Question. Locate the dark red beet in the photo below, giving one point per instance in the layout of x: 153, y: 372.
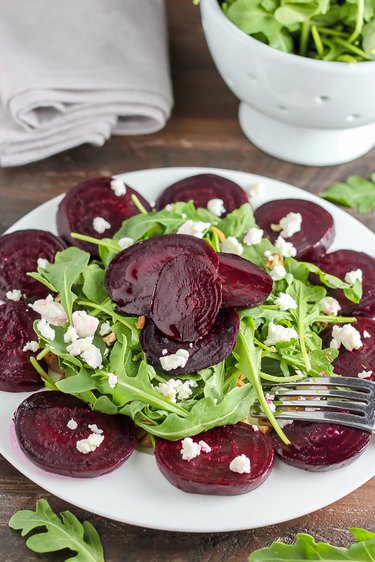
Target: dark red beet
x: 320, y: 447
x: 187, y: 298
x: 88, y: 200
x: 213, y: 348
x: 339, y: 263
x: 16, y: 328
x: 317, y: 228
x: 201, y: 188
x: 42, y: 432
x: 19, y: 253
x: 244, y: 284
x: 209, y: 473
x: 131, y: 276
x: 350, y: 363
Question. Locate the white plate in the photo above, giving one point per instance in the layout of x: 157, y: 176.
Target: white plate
x: 137, y: 493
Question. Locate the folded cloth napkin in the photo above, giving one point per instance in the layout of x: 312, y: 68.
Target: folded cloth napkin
x: 78, y: 71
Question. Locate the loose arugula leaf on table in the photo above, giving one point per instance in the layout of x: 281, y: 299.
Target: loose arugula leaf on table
x: 356, y: 193
x: 59, y: 533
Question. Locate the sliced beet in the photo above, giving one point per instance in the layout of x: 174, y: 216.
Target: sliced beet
x: 317, y: 228
x: 339, y: 263
x: 350, y: 363
x: 201, y: 188
x: 209, y: 473
x: 16, y: 328
x: 213, y: 348
x: 187, y: 298
x: 244, y: 284
x: 131, y: 276
x: 320, y: 447
x: 45, y: 438
x: 19, y: 253
x: 88, y: 200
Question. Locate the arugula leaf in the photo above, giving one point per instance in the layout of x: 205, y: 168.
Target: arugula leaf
x: 238, y: 222
x: 357, y: 193
x: 66, y: 532
x: 305, y: 548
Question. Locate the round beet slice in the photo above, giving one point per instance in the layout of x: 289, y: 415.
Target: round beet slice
x: 187, y: 298
x: 201, y: 188
x: 19, y: 253
x: 209, y: 350
x: 319, y: 447
x: 339, y: 263
x: 131, y: 276
x: 209, y: 473
x: 41, y: 424
x: 88, y: 200
x: 16, y: 328
x: 317, y: 228
x: 244, y: 284
x: 350, y: 363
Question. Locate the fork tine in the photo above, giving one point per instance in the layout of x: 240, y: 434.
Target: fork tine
x: 320, y: 404
x: 350, y: 382
x: 330, y: 392
x: 350, y: 420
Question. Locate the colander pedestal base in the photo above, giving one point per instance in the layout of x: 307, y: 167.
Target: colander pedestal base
x: 300, y: 145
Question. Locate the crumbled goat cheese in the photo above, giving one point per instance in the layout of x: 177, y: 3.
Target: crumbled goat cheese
x: 175, y: 388
x: 125, y: 242
x: 70, y: 335
x: 112, y: 380
x: 269, y: 399
x: 267, y: 253
x: 204, y: 447
x: 286, y: 249
x: 240, y: 464
x: 164, y: 352
x: 168, y: 207
x: 183, y: 215
x: 45, y: 330
x: 95, y: 429
x: 329, y: 305
x: 366, y: 334
x: 72, y: 424
x: 277, y: 272
x: 279, y: 334
x: 1, y: 302
x: 14, y: 295
x: 84, y: 324
x: 352, y: 276
x: 194, y: 228
x: 118, y: 187
x: 253, y: 236
x: 105, y: 329
x: 216, y: 207
x: 79, y: 346
x: 286, y: 302
x: 92, y: 356
x: 256, y: 189
x: 31, y: 346
x: 175, y: 360
x: 347, y: 336
x: 255, y: 427
x: 231, y: 246
x: 364, y: 374
x: 42, y: 263
x: 100, y: 225
x: 51, y: 311
x: 90, y: 444
x: 189, y: 449
x: 284, y: 423
x: 290, y: 224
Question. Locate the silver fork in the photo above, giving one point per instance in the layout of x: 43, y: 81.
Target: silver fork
x: 327, y: 397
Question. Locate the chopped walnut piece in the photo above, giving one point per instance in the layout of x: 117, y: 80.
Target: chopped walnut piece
x: 57, y: 298
x: 218, y: 232
x: 274, y: 259
x: 140, y: 324
x: 110, y: 339
x: 276, y: 227
x: 53, y: 362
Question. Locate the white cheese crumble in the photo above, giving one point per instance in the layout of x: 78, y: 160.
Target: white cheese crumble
x: 255, y: 427
x: 87, y: 350
x: 118, y: 187
x: 216, y: 207
x: 70, y: 335
x: 90, y: 444
x: 95, y: 429
x: 168, y: 207
x: 85, y: 325
x: 79, y: 346
x: 364, y: 374
x: 45, y: 330
x: 112, y: 380
x: 125, y: 242
x: 175, y: 360
x: 205, y: 448
x: 105, y: 328
x: 286, y: 302
x: 267, y: 253
x: 164, y: 352
x: 329, y: 305
x: 253, y: 236
x: 286, y: 249
x: 347, y: 336
x: 240, y: 464
x: 189, y: 449
x: 14, y: 295
x: 100, y: 225
x: 194, y: 228
x: 290, y: 224
x: 279, y: 334
x: 183, y: 215
x: 231, y: 246
x: 366, y: 334
x: 352, y: 276
x: 269, y: 399
x: 174, y: 389
x: 277, y: 273
x: 284, y: 423
x: 72, y: 424
x: 51, y: 311
x: 42, y: 263
x: 31, y: 346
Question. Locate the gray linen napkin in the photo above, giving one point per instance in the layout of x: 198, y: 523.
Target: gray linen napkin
x: 77, y: 71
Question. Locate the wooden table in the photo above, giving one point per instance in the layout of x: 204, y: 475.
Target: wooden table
x: 203, y: 131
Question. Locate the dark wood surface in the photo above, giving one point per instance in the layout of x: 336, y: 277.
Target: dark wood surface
x: 203, y: 131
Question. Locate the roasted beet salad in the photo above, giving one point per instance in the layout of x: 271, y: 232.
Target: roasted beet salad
x: 167, y: 322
